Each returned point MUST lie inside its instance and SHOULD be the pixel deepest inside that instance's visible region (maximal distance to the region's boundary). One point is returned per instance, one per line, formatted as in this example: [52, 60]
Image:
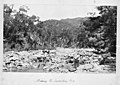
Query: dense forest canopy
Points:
[23, 32]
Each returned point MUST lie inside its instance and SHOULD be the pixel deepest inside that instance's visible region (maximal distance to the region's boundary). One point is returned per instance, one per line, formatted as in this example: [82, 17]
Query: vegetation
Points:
[23, 32]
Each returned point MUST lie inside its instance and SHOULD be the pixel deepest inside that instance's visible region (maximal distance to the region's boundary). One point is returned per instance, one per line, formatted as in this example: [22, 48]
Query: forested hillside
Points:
[23, 32]
[75, 21]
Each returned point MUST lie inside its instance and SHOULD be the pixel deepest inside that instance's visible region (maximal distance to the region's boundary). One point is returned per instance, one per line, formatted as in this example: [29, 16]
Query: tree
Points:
[103, 28]
[18, 27]
[109, 21]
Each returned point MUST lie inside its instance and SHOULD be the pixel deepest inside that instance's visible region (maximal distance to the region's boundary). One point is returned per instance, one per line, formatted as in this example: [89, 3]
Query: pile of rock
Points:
[14, 61]
[52, 61]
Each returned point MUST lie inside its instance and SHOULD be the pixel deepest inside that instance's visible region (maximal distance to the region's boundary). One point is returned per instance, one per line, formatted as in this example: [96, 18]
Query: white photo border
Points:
[16, 78]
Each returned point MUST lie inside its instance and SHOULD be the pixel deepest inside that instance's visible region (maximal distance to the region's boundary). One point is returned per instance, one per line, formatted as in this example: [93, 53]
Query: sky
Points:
[58, 9]
[47, 11]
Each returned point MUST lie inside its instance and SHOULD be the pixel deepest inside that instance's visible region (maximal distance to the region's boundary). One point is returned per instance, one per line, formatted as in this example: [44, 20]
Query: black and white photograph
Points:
[53, 38]
[60, 42]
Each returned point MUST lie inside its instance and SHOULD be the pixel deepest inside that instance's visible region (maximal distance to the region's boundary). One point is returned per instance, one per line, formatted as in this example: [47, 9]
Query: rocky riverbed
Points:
[58, 61]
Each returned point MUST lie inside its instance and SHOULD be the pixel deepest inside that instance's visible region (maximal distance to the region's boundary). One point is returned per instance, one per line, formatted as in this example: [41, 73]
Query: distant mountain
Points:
[57, 24]
[68, 23]
[75, 21]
